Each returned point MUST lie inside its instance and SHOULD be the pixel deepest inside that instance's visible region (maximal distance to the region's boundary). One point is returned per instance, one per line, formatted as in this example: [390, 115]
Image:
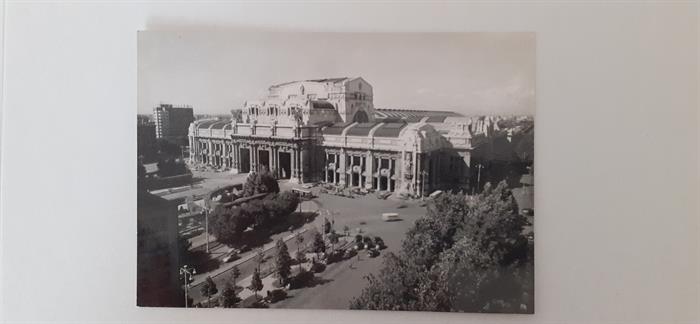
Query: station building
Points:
[328, 130]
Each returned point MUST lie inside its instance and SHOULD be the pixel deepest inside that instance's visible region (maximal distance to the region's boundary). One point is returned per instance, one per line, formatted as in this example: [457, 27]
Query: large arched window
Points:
[360, 117]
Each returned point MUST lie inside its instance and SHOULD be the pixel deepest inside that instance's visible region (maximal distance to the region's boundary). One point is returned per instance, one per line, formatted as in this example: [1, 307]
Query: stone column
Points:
[325, 169]
[293, 165]
[336, 168]
[302, 163]
[391, 173]
[419, 176]
[234, 157]
[379, 173]
[414, 171]
[369, 170]
[251, 156]
[342, 168]
[273, 161]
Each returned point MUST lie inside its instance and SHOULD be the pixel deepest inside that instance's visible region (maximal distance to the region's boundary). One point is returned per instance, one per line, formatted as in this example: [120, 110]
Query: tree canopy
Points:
[283, 262]
[256, 283]
[228, 224]
[460, 257]
[260, 182]
[229, 296]
[208, 288]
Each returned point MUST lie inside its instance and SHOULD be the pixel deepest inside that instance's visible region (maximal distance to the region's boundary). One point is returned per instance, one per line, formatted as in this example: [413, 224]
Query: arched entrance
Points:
[360, 117]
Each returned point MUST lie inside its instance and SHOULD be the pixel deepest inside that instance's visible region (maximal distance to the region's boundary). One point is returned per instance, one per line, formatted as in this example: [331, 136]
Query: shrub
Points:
[317, 267]
[276, 295]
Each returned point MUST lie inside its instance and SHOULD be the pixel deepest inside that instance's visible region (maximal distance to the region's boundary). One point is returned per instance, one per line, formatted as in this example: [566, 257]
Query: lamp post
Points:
[207, 205]
[423, 175]
[478, 176]
[186, 273]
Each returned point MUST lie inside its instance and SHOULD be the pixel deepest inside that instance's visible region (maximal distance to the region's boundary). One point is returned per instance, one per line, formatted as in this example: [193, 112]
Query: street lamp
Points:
[186, 273]
[207, 209]
[423, 175]
[478, 175]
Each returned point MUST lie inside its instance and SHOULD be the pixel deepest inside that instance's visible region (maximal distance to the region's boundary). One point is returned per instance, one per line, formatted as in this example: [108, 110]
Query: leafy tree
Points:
[260, 182]
[525, 147]
[208, 289]
[229, 296]
[346, 230]
[235, 274]
[326, 226]
[283, 262]
[318, 245]
[228, 224]
[171, 167]
[256, 283]
[300, 256]
[466, 254]
[334, 239]
[259, 258]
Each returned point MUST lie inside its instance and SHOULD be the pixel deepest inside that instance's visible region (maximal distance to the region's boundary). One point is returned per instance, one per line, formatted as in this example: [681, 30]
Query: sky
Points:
[214, 72]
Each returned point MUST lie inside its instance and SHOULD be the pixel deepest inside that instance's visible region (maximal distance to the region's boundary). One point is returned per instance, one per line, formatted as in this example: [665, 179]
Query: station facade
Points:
[328, 130]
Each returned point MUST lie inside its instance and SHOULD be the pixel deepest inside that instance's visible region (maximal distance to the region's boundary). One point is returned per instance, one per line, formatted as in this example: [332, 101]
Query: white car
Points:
[230, 257]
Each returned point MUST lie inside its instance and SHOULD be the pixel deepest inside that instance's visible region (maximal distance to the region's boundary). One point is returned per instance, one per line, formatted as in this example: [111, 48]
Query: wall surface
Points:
[617, 154]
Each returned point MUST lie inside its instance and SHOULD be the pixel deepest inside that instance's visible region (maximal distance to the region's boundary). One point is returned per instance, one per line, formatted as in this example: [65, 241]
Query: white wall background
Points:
[617, 154]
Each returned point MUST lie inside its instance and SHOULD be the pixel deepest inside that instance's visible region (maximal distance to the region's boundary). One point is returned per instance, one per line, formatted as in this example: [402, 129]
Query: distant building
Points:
[146, 138]
[172, 122]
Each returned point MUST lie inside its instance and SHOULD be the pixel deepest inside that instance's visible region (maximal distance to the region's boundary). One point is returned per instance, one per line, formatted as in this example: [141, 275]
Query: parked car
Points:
[336, 256]
[379, 243]
[301, 280]
[383, 195]
[230, 257]
[390, 217]
[372, 253]
[349, 253]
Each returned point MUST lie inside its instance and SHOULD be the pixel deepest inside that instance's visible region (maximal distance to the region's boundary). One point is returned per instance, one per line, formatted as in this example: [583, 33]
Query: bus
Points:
[303, 194]
[390, 217]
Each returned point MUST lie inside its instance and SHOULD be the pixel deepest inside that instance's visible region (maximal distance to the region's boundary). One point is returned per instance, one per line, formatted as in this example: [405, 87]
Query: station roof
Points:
[322, 105]
[361, 129]
[214, 124]
[414, 116]
[389, 130]
[335, 129]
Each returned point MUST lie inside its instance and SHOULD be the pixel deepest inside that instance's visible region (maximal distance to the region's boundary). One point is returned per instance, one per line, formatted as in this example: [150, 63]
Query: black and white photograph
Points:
[328, 170]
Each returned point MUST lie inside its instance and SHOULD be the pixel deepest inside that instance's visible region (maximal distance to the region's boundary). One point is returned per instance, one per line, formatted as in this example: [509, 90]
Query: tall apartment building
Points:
[173, 122]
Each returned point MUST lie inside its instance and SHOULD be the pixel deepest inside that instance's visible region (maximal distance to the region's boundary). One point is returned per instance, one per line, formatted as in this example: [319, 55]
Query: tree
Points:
[466, 254]
[259, 258]
[333, 238]
[300, 256]
[256, 283]
[346, 230]
[319, 246]
[326, 226]
[208, 289]
[228, 224]
[229, 296]
[171, 167]
[283, 262]
[235, 274]
[260, 182]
